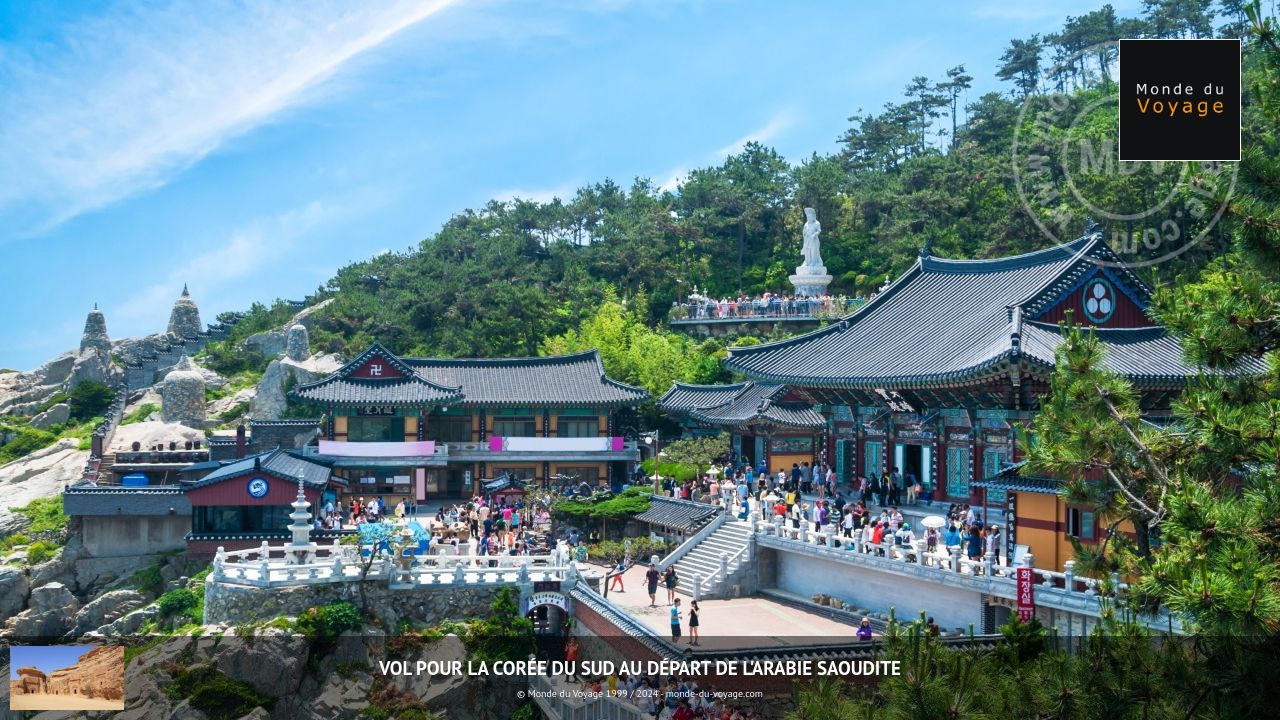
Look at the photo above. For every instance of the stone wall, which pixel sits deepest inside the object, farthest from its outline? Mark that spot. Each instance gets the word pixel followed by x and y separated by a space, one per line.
pixel 952 607
pixel 112 537
pixel 238 604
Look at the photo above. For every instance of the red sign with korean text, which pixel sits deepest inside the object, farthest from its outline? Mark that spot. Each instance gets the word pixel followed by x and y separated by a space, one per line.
pixel 1026 595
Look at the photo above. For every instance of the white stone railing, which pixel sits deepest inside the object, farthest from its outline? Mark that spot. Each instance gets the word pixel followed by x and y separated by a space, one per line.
pixel 288 565
pixel 943 561
pixel 692 541
pixel 728 565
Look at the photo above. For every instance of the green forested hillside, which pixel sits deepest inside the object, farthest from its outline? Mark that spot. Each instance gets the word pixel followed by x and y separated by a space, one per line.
pixel 929 170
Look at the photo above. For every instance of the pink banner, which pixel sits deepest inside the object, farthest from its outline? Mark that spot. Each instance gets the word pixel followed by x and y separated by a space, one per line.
pixel 377 449
pixel 563 445
pixel 1026 595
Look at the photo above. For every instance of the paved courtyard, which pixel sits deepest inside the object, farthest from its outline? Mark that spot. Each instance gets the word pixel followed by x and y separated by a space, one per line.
pixel 734 623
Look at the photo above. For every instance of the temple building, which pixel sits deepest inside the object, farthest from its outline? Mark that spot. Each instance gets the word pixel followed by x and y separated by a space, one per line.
pixel 766 423
pixel 941 373
pixel 240 504
pixel 418 428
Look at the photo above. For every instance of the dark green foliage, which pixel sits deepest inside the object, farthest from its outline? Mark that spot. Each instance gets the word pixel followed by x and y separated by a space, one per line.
pixel 504 634
pixel 629 502
pixel 176 601
pixel 215 694
pixel 89 399
pixel 328 621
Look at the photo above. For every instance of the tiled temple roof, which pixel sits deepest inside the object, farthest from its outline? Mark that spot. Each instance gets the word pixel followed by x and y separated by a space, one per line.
pixel 948 322
pixel 280 463
pixel 744 405
pixel 673 513
pixel 553 381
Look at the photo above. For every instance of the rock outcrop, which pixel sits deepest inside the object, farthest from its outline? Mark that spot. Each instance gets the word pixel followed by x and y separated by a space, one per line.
pixel 14 588
pixel 38 475
pixel 58 414
pixel 107 608
pixel 297 344
pixel 23 393
pixel 271 400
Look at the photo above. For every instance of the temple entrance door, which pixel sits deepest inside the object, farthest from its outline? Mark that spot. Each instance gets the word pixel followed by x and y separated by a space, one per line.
pixel 747 449
pixel 548 631
pixel 454 480
pixel 911 458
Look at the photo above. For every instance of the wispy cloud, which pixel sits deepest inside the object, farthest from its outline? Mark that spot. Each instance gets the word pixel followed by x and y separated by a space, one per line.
pixel 129 99
pixel 246 251
pixel 772 128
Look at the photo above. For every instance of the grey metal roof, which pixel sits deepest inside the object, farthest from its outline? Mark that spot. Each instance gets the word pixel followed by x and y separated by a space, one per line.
pixel 673 513
pixel 280 463
pixel 91 501
pixel 555 380
pixel 950 320
pixel 683 397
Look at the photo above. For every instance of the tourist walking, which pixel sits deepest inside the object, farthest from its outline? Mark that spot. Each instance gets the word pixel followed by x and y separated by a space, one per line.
pixel 618 569
pixel 669 579
pixel 652 577
pixel 974 543
pixel 693 623
pixel 864 630
pixel 675 621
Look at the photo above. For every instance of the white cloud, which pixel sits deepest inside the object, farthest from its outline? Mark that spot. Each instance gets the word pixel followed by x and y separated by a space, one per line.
pixel 246 251
pixel 128 100
pixel 771 129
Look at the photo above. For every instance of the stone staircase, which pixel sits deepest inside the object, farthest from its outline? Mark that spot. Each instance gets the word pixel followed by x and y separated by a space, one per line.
pixel 704 560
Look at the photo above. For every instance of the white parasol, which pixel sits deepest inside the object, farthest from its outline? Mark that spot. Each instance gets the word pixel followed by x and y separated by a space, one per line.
pixel 934 521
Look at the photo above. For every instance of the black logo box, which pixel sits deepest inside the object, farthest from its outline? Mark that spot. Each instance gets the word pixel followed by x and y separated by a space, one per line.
pixel 1186 69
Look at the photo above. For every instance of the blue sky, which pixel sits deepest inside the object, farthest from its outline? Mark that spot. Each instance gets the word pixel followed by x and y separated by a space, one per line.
pixel 45 658
pixel 252 149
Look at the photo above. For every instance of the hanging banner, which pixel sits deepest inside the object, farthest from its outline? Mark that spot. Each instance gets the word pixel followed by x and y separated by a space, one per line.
pixel 1026 595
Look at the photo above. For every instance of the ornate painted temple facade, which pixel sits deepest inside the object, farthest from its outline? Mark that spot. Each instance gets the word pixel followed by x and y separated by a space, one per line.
pixel 429 427
pixel 941 373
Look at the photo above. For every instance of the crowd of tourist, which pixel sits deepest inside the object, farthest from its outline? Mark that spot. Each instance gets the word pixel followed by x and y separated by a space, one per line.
pixel 786 496
pixel 766 305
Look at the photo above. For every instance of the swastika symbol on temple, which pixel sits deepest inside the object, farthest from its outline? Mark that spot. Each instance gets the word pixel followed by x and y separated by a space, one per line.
pixel 1099 300
pixel 375 369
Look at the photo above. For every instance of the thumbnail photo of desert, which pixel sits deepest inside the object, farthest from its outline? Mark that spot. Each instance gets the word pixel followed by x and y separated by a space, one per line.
pixel 66 678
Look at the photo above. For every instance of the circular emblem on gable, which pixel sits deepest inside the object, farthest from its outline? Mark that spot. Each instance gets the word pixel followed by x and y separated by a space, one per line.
pixel 1099 300
pixel 258 487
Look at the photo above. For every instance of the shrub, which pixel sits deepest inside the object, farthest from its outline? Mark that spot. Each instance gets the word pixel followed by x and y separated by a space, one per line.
pixel 26 441
pixel 141 413
pixel 177 601
pixel 328 621
pixel 41 551
pixel 215 694
pixel 14 540
pixel 44 514
pixel 90 398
